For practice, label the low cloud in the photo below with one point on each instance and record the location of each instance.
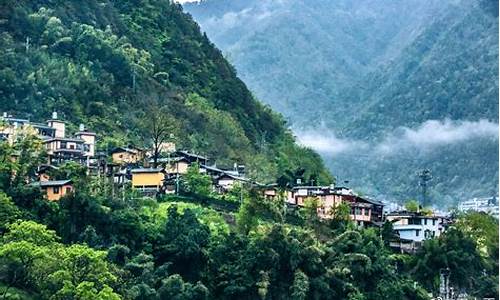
(428, 136)
(327, 142)
(253, 14)
(434, 133)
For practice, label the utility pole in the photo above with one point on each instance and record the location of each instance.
(444, 284)
(424, 177)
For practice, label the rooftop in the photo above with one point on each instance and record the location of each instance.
(75, 140)
(123, 149)
(146, 170)
(188, 154)
(52, 183)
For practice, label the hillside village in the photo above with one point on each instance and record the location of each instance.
(129, 166)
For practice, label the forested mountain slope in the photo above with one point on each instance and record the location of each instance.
(103, 62)
(383, 89)
(449, 71)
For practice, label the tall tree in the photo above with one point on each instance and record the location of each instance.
(157, 125)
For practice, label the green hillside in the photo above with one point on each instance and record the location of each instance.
(106, 63)
(355, 76)
(449, 71)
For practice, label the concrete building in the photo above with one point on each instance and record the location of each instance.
(413, 228)
(487, 205)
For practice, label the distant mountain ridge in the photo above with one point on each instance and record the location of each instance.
(350, 76)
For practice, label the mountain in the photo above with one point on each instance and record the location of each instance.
(382, 89)
(103, 63)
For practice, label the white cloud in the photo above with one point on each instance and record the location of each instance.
(428, 136)
(434, 133)
(327, 142)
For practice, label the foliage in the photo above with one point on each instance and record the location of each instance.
(32, 258)
(139, 73)
(196, 182)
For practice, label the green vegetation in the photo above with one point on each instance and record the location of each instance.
(115, 65)
(92, 245)
(101, 63)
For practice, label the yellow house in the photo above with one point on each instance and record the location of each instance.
(55, 189)
(147, 179)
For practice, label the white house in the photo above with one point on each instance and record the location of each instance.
(416, 226)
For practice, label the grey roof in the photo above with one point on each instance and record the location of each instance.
(41, 125)
(76, 140)
(146, 170)
(188, 154)
(10, 119)
(86, 132)
(232, 177)
(373, 201)
(168, 159)
(209, 168)
(52, 183)
(123, 149)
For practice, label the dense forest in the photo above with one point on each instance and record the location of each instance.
(108, 64)
(362, 72)
(102, 63)
(94, 244)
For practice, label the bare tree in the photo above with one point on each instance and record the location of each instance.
(157, 125)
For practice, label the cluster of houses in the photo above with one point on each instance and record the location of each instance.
(487, 205)
(136, 167)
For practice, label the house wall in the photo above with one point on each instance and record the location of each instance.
(60, 128)
(428, 228)
(56, 193)
(89, 140)
(180, 167)
(147, 179)
(226, 183)
(124, 157)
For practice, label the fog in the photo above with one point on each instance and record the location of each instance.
(428, 136)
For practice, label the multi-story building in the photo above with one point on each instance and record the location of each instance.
(363, 211)
(60, 149)
(413, 228)
(488, 205)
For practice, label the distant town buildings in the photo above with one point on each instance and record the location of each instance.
(487, 205)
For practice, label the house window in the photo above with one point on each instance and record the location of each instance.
(56, 190)
(425, 221)
(417, 232)
(68, 190)
(71, 146)
(63, 145)
(433, 222)
(367, 212)
(414, 221)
